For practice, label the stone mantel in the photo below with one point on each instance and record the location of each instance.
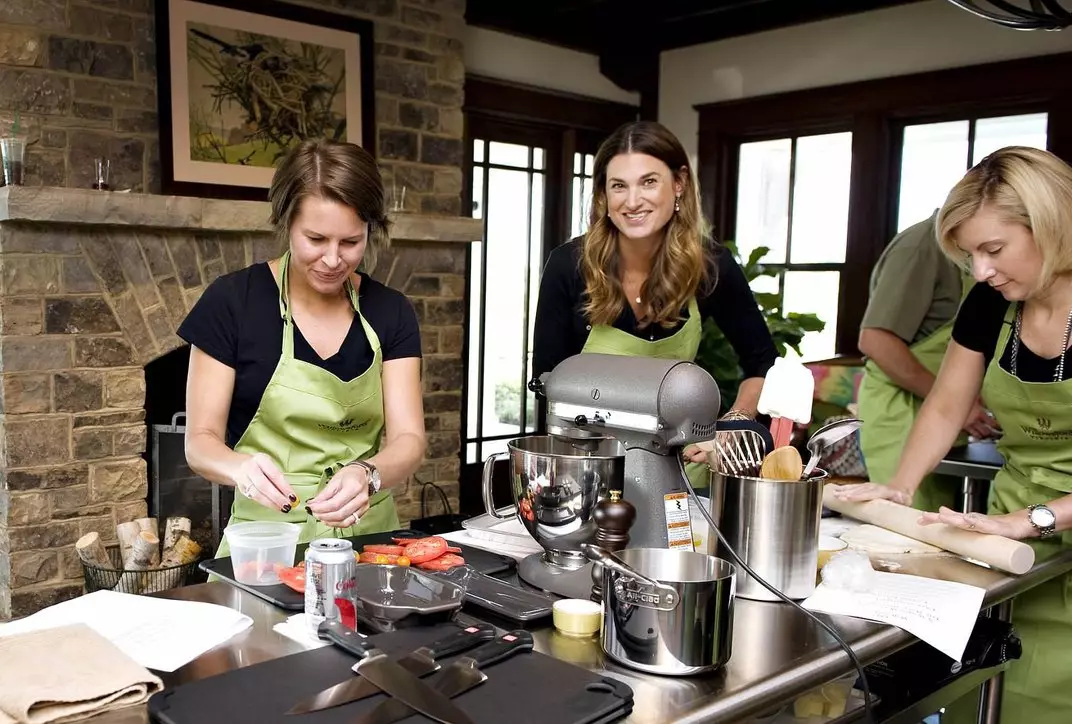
(85, 206)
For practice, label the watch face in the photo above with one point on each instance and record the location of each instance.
(1043, 517)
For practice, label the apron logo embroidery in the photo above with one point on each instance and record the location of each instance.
(1044, 430)
(1044, 423)
(346, 425)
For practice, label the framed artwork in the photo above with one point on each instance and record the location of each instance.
(240, 82)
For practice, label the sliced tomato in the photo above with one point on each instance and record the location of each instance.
(382, 559)
(387, 550)
(293, 577)
(443, 563)
(405, 541)
(425, 549)
(454, 549)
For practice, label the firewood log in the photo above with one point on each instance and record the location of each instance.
(173, 528)
(126, 533)
(92, 551)
(150, 525)
(185, 550)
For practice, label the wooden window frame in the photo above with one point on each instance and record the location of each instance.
(876, 113)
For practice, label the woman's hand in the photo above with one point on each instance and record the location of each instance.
(344, 499)
(1010, 525)
(694, 454)
(862, 492)
(261, 481)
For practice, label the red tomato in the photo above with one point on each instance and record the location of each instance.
(382, 559)
(453, 549)
(405, 541)
(387, 550)
(443, 563)
(294, 577)
(425, 549)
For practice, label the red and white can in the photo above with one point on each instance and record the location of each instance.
(329, 583)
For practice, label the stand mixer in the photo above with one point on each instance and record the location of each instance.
(601, 409)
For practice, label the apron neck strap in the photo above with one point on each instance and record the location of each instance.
(284, 289)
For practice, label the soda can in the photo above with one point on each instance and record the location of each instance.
(329, 583)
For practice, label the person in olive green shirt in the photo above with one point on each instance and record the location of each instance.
(914, 296)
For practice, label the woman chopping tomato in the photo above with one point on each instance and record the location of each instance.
(304, 388)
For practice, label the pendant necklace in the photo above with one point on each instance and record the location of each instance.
(1059, 373)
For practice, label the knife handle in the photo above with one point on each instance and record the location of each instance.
(345, 638)
(510, 643)
(461, 640)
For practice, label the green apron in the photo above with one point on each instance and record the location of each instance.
(1037, 420)
(681, 345)
(311, 423)
(889, 412)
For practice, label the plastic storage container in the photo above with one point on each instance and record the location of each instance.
(260, 549)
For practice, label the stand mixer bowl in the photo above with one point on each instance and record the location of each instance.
(555, 485)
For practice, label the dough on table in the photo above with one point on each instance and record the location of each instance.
(873, 539)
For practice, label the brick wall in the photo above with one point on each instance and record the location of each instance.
(82, 74)
(82, 310)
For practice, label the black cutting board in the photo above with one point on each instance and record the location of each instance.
(527, 688)
(290, 600)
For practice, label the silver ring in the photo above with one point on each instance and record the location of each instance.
(250, 491)
(353, 520)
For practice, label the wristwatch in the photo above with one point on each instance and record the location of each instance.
(374, 482)
(1043, 518)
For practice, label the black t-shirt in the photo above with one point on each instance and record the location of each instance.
(237, 322)
(561, 329)
(978, 327)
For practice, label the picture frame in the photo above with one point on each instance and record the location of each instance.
(241, 81)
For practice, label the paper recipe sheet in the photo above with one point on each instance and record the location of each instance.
(942, 613)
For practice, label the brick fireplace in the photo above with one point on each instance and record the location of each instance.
(92, 288)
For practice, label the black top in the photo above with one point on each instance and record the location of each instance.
(237, 322)
(561, 328)
(978, 326)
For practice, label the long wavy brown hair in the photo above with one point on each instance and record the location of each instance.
(684, 260)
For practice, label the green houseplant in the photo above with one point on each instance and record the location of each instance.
(716, 355)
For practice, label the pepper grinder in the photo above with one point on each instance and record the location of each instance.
(613, 517)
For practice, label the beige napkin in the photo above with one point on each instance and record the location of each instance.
(67, 673)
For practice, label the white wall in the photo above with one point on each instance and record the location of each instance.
(507, 57)
(884, 43)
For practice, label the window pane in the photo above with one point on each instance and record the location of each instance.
(821, 199)
(578, 163)
(934, 158)
(478, 192)
(509, 223)
(537, 158)
(994, 133)
(817, 293)
(508, 154)
(472, 412)
(763, 198)
(535, 259)
(589, 164)
(478, 150)
(471, 453)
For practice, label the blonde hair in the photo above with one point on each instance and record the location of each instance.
(1024, 186)
(684, 260)
(337, 171)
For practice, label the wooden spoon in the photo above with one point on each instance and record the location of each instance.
(782, 463)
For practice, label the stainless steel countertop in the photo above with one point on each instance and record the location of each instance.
(778, 654)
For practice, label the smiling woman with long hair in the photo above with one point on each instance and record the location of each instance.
(647, 274)
(1010, 221)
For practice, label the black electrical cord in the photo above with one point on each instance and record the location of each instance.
(442, 497)
(868, 712)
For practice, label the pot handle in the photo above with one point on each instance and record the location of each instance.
(489, 494)
(666, 598)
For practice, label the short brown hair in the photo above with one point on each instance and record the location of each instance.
(1024, 186)
(341, 172)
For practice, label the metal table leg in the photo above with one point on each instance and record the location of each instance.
(990, 691)
(967, 490)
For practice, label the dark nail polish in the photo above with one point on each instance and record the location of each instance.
(308, 510)
(286, 508)
(293, 498)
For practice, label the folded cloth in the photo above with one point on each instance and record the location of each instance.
(67, 673)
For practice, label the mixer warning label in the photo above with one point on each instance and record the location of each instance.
(678, 521)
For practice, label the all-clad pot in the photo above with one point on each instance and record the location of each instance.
(773, 525)
(555, 485)
(667, 612)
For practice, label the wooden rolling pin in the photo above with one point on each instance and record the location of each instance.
(998, 551)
